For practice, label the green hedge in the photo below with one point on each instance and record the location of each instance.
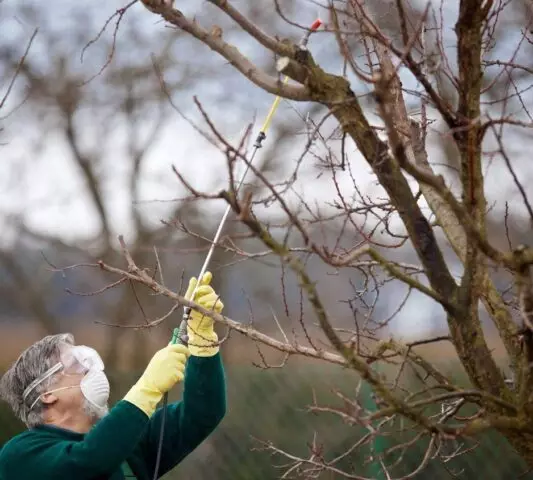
(270, 405)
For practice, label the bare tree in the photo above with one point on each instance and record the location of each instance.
(105, 134)
(89, 122)
(478, 101)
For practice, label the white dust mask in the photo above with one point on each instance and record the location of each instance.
(95, 388)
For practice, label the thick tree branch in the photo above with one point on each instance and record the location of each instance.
(275, 46)
(353, 121)
(336, 93)
(215, 42)
(141, 276)
(455, 232)
(469, 30)
(465, 329)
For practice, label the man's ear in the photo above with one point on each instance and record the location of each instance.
(48, 398)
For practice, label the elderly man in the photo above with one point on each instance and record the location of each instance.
(60, 391)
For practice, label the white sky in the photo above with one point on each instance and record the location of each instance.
(50, 195)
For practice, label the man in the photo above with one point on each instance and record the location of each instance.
(60, 391)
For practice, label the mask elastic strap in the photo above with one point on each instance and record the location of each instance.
(51, 391)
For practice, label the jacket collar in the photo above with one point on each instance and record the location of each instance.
(59, 432)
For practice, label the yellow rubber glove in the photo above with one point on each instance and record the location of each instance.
(203, 340)
(166, 368)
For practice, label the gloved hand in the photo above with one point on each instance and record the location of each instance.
(203, 340)
(166, 368)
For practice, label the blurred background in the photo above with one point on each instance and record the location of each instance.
(86, 155)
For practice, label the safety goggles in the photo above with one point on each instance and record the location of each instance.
(74, 360)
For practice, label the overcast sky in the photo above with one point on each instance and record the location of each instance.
(44, 187)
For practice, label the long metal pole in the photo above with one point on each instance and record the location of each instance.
(179, 335)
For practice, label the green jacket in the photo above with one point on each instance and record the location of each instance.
(125, 438)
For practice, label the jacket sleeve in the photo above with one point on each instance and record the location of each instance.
(191, 420)
(100, 452)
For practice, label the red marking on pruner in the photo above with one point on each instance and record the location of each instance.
(316, 24)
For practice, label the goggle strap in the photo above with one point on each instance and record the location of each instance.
(51, 371)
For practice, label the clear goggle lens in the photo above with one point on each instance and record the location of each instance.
(80, 359)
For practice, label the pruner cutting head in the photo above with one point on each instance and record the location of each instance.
(313, 28)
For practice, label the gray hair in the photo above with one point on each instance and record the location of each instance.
(32, 364)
